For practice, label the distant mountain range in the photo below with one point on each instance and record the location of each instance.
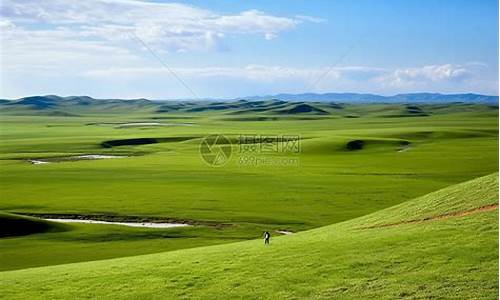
(340, 104)
(49, 100)
(372, 98)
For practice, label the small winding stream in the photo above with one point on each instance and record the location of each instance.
(131, 224)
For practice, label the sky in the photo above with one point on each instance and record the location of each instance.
(227, 48)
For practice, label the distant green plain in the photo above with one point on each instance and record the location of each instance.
(324, 184)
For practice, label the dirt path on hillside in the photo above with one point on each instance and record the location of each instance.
(462, 213)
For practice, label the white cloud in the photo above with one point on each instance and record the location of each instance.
(98, 11)
(310, 19)
(57, 50)
(432, 73)
(428, 77)
(439, 78)
(93, 41)
(253, 21)
(167, 26)
(158, 83)
(6, 25)
(257, 73)
(270, 36)
(66, 38)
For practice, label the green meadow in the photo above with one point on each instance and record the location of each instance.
(408, 164)
(453, 257)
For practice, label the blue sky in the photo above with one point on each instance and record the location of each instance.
(229, 48)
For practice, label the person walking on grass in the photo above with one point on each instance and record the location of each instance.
(267, 236)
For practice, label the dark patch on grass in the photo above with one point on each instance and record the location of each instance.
(412, 109)
(252, 119)
(263, 109)
(210, 107)
(361, 144)
(58, 113)
(173, 118)
(304, 108)
(145, 141)
(170, 107)
(281, 118)
(336, 105)
(355, 145)
(13, 225)
(415, 110)
(404, 116)
(409, 111)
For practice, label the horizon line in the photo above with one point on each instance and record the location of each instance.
(254, 96)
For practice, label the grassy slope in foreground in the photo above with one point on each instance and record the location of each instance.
(447, 257)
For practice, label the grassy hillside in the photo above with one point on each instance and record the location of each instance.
(448, 248)
(75, 106)
(401, 158)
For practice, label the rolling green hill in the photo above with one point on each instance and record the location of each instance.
(74, 106)
(160, 174)
(442, 245)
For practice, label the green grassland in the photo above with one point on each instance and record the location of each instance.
(407, 153)
(432, 257)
